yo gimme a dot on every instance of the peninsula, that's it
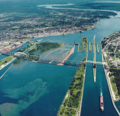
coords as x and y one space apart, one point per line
72 102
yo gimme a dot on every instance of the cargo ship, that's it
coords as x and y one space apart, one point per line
101 102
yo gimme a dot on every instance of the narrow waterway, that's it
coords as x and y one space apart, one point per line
92 91
2 57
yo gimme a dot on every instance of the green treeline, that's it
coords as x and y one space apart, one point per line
116 74
71 103
45 46
84 43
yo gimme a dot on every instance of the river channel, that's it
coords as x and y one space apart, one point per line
36 89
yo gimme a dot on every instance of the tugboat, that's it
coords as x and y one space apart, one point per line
101 102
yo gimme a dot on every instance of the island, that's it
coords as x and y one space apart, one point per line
84 43
37 49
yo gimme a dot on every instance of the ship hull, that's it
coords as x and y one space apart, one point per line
101 103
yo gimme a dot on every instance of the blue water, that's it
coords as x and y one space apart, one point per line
33 83
92 91
34 89
23 46
2 57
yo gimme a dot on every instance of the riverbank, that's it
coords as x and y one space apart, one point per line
72 101
111 57
113 98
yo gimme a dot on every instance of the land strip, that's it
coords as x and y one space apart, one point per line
90 47
94 65
72 101
98 47
79 48
112 93
84 43
4 62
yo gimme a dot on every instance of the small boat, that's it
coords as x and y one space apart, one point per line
101 102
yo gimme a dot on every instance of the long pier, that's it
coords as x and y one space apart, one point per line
94 68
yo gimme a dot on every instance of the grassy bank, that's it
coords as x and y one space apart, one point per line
79 48
115 81
6 60
71 102
98 47
84 43
90 47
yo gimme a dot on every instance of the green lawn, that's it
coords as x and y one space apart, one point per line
6 60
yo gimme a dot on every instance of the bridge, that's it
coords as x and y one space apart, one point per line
70 62
88 61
